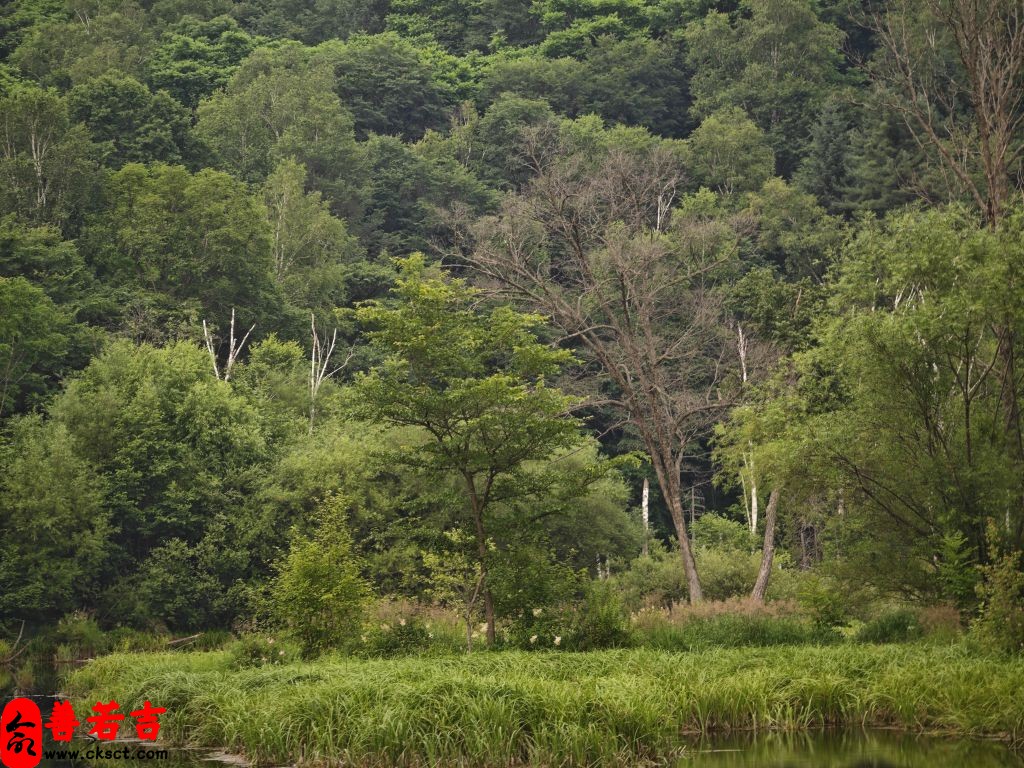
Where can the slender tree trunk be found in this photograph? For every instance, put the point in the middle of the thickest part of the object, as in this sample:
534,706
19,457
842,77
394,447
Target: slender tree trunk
685,552
668,481
768,552
481,545
645,513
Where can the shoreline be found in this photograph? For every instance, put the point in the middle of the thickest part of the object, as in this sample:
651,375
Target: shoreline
511,707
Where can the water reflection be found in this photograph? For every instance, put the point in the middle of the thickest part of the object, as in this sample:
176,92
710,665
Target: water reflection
847,749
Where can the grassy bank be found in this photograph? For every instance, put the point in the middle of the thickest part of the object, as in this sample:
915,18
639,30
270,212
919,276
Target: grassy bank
551,708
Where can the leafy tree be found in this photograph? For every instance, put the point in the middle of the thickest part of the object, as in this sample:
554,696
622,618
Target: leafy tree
824,170
595,243
195,58
55,530
46,162
67,51
491,144
312,250
475,383
183,247
729,154
174,449
276,106
777,60
128,123
573,26
38,254
894,416
33,341
409,187
319,595
387,83
793,232
311,21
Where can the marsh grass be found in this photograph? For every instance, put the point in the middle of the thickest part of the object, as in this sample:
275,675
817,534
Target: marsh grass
503,708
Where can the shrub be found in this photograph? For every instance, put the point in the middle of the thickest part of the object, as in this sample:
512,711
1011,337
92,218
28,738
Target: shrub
654,581
405,637
823,601
1001,623
735,631
711,531
260,650
894,626
600,621
80,631
319,595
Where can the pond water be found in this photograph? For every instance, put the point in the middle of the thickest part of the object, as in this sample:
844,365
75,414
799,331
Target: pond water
847,749
820,749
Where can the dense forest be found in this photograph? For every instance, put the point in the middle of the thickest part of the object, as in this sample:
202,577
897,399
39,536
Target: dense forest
505,307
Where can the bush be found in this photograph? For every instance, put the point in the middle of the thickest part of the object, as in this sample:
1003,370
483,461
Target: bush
80,631
405,637
319,595
1001,623
600,621
731,631
654,581
823,601
260,650
711,531
895,626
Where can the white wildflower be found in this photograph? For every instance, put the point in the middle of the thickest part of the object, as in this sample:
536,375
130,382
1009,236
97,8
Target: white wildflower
558,640
401,622
538,611
533,639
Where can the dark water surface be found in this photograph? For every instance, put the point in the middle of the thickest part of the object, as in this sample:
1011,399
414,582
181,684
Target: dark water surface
848,749
818,749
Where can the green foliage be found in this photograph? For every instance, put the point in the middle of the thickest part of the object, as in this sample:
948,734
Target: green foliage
56,527
319,596
47,166
895,626
128,123
582,709
1001,623
195,58
33,341
404,637
388,84
280,104
823,601
182,247
728,153
258,651
777,60
600,620
656,580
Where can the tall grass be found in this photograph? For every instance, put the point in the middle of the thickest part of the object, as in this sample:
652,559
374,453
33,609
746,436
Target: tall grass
610,707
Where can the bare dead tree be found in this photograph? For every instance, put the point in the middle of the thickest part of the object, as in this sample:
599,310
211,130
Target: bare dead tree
224,372
320,364
954,71
593,244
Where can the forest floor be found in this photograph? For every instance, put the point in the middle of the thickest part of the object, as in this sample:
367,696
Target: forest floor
509,707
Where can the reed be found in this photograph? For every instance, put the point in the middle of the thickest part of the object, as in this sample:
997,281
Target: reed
505,708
